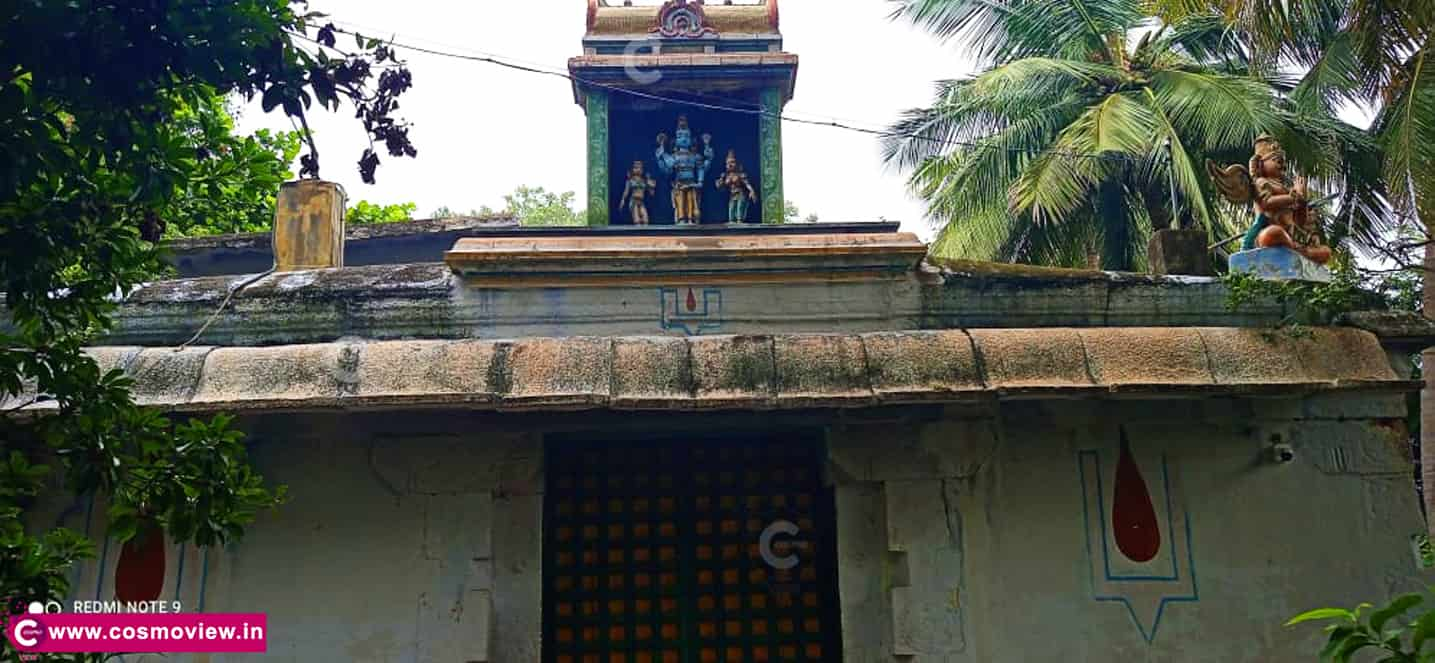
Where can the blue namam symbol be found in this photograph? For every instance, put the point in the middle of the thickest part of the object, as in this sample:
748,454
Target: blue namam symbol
690,312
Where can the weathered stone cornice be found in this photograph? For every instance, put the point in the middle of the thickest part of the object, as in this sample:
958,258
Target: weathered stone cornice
757,372
428,301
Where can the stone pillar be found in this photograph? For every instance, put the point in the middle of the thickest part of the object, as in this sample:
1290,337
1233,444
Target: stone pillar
774,205
900,541
309,226
598,180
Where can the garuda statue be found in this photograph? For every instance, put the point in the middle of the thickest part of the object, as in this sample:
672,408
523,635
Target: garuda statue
1284,215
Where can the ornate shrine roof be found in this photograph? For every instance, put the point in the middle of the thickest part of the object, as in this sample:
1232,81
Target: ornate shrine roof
625,21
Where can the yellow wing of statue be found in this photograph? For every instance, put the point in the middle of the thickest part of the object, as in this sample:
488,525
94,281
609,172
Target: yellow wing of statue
1233,181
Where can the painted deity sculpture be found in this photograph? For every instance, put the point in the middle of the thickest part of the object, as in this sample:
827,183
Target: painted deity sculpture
636,191
1284,215
740,191
688,167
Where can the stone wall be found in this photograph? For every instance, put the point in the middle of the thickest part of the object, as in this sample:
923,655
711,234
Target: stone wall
392,547
989,536
981,532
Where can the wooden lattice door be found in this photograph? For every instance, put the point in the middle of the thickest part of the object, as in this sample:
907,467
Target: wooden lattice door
688,551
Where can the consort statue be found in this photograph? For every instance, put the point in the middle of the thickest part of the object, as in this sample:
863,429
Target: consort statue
636,192
740,191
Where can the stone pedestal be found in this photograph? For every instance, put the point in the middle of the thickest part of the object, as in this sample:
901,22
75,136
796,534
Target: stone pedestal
1278,264
1179,252
309,226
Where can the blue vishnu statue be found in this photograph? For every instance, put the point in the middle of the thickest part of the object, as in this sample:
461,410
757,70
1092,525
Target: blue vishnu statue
688,169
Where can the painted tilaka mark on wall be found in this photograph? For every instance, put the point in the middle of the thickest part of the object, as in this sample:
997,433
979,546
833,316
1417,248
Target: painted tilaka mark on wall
143,569
694,311
1138,533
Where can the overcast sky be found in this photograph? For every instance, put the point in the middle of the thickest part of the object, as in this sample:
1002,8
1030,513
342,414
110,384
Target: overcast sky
482,130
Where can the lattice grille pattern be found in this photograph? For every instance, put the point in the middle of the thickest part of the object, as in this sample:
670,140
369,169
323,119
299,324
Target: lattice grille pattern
653,555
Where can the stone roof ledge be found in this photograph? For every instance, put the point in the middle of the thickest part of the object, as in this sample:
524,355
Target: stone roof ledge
756,372
537,261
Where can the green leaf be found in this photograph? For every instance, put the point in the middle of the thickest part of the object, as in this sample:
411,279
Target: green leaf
1322,613
1352,645
1398,606
1337,639
1424,628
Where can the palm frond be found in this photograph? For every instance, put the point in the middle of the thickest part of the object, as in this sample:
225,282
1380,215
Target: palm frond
981,235
1172,11
1178,165
1283,30
996,31
1215,110
1406,131
1038,71
1363,219
1073,244
1333,79
1383,34
965,110
1060,181
1207,38
971,178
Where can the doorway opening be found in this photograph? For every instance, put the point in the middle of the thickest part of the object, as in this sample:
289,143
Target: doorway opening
689,550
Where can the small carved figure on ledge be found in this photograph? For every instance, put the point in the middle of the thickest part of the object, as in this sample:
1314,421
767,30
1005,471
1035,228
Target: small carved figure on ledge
688,169
635,193
740,191
1284,215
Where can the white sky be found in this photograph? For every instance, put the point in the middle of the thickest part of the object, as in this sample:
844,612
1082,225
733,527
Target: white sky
482,130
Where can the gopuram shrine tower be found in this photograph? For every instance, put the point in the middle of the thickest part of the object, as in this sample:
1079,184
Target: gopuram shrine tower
709,81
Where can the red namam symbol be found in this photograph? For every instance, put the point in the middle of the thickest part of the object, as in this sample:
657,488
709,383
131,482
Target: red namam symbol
692,301
1133,515
139,574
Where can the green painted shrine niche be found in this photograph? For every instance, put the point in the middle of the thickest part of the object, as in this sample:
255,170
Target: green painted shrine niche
695,93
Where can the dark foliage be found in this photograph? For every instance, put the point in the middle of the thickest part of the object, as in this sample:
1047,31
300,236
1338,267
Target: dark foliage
102,107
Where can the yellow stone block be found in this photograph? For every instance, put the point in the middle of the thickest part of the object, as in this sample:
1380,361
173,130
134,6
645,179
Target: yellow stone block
309,226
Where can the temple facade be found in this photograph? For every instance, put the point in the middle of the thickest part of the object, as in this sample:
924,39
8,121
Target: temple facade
770,443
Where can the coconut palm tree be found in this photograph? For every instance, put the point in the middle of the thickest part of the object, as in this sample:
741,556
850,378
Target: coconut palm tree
1371,53
1378,54
1089,114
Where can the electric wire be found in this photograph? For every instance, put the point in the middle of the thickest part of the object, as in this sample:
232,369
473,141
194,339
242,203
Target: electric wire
434,43
507,63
